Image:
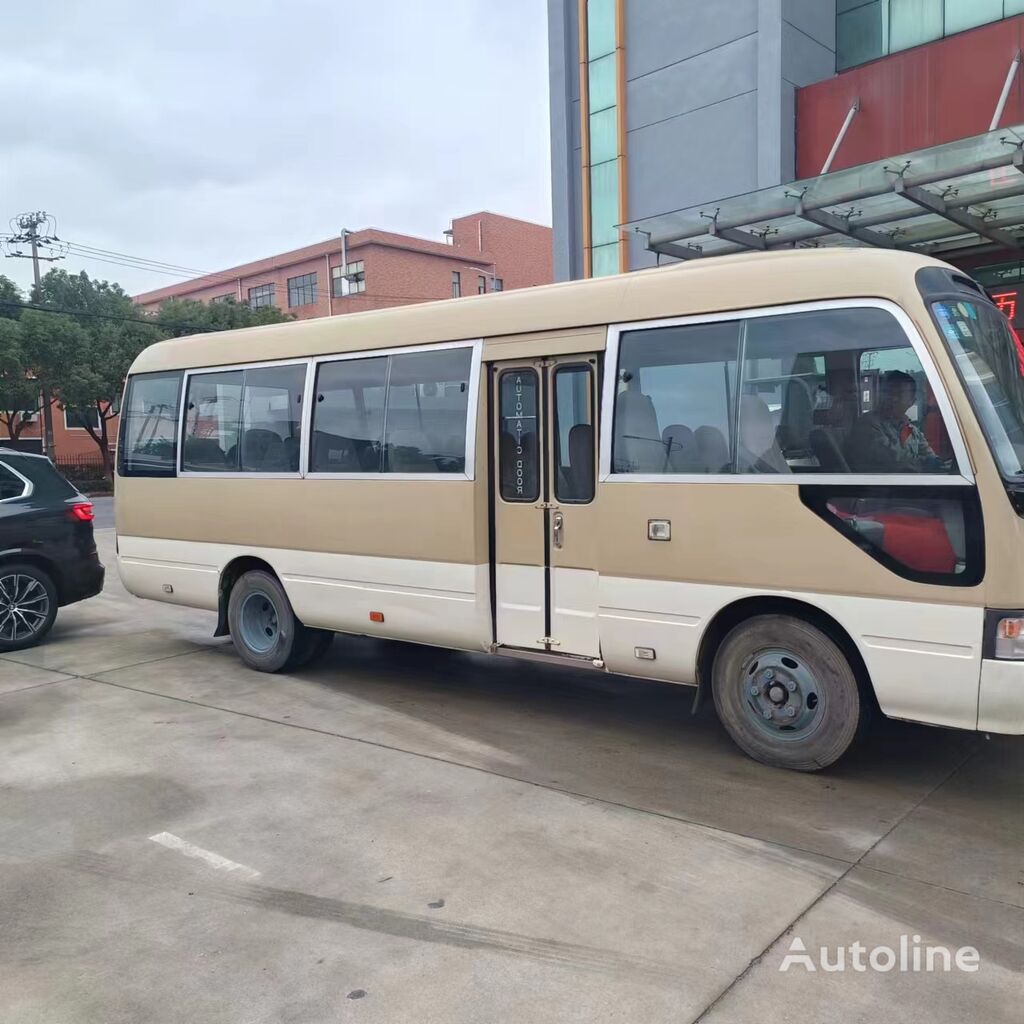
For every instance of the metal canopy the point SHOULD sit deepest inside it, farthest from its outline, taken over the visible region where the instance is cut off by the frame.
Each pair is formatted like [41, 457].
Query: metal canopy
[963, 195]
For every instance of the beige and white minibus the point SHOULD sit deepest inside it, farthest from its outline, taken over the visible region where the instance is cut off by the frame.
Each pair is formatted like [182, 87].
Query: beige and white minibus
[794, 481]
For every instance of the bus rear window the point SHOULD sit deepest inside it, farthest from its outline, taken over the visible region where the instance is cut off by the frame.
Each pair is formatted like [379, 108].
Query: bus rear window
[149, 425]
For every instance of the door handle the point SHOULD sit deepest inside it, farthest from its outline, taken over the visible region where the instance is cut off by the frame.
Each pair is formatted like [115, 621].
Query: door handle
[556, 529]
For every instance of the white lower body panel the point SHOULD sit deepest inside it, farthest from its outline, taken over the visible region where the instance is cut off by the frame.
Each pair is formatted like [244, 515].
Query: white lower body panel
[439, 603]
[520, 601]
[1001, 700]
[924, 659]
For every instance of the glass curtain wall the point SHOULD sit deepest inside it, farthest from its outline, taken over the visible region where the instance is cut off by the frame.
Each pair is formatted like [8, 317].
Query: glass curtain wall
[868, 29]
[605, 163]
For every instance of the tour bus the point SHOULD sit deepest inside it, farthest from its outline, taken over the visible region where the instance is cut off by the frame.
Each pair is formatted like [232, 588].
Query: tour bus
[794, 481]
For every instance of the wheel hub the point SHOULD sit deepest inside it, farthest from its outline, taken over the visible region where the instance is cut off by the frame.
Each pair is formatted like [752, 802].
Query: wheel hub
[258, 619]
[24, 606]
[782, 694]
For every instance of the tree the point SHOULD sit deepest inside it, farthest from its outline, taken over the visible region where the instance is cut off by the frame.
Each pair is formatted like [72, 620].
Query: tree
[19, 392]
[11, 300]
[178, 317]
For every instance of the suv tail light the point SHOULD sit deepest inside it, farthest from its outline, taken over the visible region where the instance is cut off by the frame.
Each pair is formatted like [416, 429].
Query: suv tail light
[82, 511]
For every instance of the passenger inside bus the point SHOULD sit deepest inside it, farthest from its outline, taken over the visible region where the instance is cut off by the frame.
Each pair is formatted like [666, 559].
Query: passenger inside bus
[885, 440]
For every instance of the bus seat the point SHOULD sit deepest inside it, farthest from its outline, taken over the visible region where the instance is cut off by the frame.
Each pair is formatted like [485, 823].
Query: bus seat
[638, 445]
[797, 416]
[712, 450]
[203, 453]
[581, 462]
[827, 451]
[263, 450]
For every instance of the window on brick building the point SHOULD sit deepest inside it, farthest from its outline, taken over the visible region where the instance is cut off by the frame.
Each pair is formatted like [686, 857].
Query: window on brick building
[456, 284]
[227, 297]
[348, 280]
[499, 285]
[262, 295]
[302, 290]
[79, 418]
[481, 285]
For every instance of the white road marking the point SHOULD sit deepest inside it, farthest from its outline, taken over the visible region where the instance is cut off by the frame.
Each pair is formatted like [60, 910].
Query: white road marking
[173, 842]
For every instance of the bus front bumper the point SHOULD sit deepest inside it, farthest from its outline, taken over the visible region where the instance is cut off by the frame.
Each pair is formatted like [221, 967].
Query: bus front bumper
[1001, 697]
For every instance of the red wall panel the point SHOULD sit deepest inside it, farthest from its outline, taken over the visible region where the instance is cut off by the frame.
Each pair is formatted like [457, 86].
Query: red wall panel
[932, 94]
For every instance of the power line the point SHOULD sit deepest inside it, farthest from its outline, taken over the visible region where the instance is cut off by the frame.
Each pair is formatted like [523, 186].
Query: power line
[152, 322]
[136, 259]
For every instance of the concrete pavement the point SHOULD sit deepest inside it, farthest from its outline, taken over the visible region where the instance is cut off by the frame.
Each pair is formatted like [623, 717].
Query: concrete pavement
[405, 834]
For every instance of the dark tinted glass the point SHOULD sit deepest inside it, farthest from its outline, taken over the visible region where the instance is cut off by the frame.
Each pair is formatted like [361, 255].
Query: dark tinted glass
[518, 438]
[11, 486]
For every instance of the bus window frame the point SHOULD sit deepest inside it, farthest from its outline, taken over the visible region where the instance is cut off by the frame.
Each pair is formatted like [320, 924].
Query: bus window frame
[236, 474]
[472, 411]
[964, 477]
[311, 364]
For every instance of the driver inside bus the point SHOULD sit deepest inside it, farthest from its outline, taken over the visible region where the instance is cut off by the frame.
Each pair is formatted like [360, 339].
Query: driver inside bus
[885, 440]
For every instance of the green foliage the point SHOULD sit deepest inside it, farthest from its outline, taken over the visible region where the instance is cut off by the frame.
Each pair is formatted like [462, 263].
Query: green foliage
[10, 294]
[178, 317]
[18, 393]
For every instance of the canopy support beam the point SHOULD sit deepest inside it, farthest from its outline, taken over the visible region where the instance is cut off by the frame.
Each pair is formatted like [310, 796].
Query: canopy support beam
[955, 214]
[842, 226]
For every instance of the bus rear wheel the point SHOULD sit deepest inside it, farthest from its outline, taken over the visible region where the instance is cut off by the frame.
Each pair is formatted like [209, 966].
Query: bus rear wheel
[786, 694]
[266, 634]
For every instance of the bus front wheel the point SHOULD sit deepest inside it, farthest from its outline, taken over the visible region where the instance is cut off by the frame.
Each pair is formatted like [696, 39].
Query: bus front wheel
[266, 634]
[786, 694]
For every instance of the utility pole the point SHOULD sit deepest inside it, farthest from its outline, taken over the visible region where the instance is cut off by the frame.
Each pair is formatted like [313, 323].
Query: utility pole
[25, 229]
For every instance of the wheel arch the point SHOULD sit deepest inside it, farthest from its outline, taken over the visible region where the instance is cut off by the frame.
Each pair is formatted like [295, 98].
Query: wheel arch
[731, 615]
[50, 567]
[230, 575]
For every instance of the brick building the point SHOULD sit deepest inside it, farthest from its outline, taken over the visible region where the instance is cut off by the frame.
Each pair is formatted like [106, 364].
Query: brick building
[485, 252]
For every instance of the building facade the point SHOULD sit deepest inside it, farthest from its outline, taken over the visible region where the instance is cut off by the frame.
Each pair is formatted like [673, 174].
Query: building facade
[485, 252]
[663, 112]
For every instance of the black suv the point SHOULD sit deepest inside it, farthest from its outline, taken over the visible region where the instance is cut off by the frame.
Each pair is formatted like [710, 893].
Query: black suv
[47, 553]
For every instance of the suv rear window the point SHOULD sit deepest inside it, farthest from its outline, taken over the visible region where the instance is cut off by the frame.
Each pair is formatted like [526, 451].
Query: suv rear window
[46, 481]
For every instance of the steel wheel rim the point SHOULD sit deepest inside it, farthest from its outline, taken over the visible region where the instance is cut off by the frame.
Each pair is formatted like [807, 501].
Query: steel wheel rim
[258, 621]
[781, 694]
[24, 607]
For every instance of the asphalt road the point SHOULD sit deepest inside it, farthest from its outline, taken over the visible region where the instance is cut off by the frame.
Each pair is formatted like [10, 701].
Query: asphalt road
[402, 834]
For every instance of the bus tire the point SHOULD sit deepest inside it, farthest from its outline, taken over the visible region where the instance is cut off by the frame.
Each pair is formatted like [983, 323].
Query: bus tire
[786, 694]
[263, 626]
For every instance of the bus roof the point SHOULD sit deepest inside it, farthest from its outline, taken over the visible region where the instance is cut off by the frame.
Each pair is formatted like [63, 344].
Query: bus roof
[702, 286]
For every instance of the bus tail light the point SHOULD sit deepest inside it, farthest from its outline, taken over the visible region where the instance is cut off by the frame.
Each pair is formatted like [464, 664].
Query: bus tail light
[1010, 638]
[82, 511]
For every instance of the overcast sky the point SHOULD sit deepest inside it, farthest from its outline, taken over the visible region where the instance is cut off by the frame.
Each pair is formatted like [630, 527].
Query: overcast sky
[207, 133]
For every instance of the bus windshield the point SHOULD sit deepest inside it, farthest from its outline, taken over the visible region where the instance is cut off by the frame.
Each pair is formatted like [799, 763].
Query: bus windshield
[990, 359]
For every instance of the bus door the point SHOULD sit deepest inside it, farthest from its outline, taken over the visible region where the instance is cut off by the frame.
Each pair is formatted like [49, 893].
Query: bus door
[545, 525]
